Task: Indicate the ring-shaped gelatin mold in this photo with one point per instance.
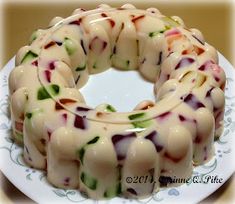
(96, 149)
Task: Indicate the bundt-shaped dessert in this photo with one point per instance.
(96, 149)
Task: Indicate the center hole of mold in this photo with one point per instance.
(121, 89)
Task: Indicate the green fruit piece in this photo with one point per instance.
(28, 57)
(19, 137)
(119, 188)
(136, 116)
(81, 154)
(170, 21)
(127, 63)
(28, 115)
(141, 124)
(159, 32)
(70, 46)
(110, 57)
(43, 94)
(94, 140)
(53, 89)
(110, 108)
(33, 37)
(94, 66)
(89, 181)
(81, 68)
(113, 191)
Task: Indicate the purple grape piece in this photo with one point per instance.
(51, 65)
(79, 122)
(118, 141)
(132, 191)
(65, 116)
(82, 109)
(35, 63)
(76, 81)
(198, 139)
(153, 137)
(43, 141)
(66, 181)
(159, 58)
(27, 150)
(164, 115)
(184, 62)
(182, 118)
(143, 61)
(208, 93)
(206, 153)
(202, 68)
(58, 43)
(193, 102)
(104, 45)
(114, 50)
(217, 79)
(83, 47)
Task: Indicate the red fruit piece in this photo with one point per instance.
(48, 75)
(19, 126)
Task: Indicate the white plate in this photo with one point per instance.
(33, 182)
